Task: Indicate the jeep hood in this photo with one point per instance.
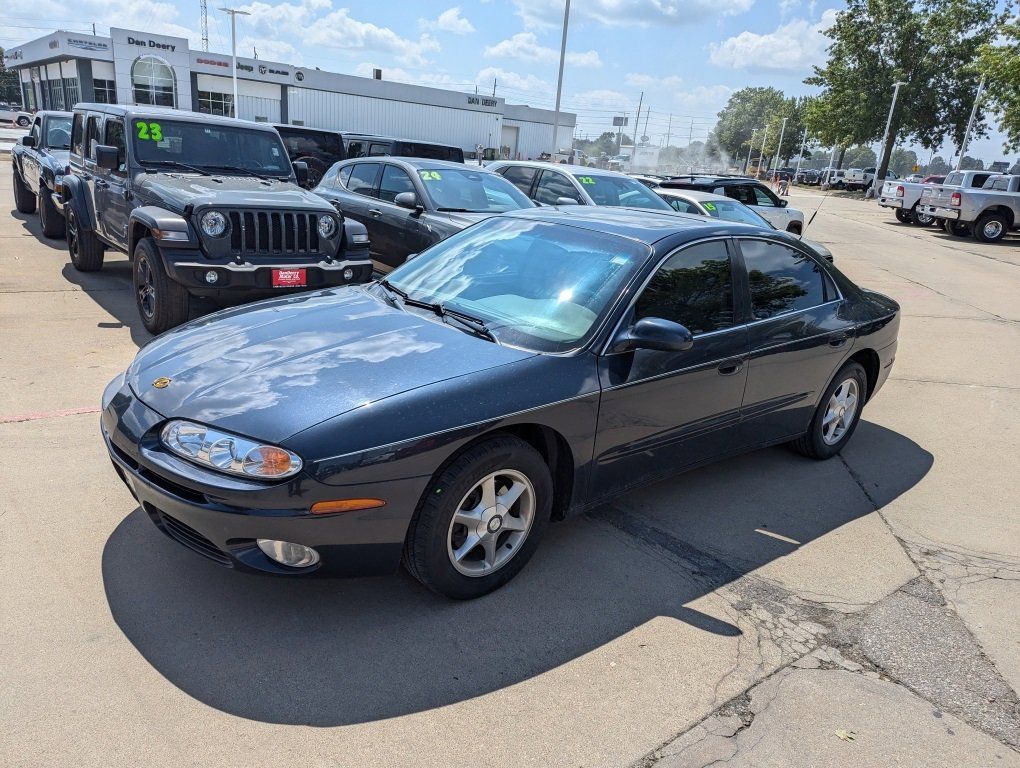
(274, 368)
(179, 190)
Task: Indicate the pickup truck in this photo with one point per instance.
(987, 213)
(863, 178)
(937, 197)
(904, 197)
(40, 161)
(13, 113)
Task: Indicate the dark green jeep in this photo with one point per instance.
(204, 206)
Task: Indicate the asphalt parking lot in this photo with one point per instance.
(766, 611)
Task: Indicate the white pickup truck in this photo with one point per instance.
(904, 198)
(987, 213)
(938, 197)
(863, 178)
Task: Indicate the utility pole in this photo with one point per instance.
(559, 79)
(761, 155)
(493, 87)
(779, 146)
(828, 170)
(638, 121)
(885, 136)
(750, 144)
(800, 157)
(234, 13)
(970, 122)
(669, 128)
(648, 113)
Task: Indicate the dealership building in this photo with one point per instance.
(132, 67)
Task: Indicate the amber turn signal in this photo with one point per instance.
(345, 505)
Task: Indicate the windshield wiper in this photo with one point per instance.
(239, 169)
(455, 210)
(174, 164)
(475, 324)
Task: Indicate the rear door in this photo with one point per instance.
(797, 339)
(521, 176)
(361, 204)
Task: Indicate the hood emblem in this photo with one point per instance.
(161, 383)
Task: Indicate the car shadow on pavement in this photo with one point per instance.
(327, 652)
(30, 223)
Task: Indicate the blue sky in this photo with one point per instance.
(686, 55)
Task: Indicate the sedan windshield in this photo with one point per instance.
(217, 147)
(453, 189)
(58, 133)
(537, 285)
(620, 190)
(734, 210)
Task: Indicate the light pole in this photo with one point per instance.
(800, 157)
(779, 146)
(234, 13)
(761, 155)
(885, 136)
(750, 142)
(559, 79)
(970, 122)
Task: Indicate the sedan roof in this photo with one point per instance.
(566, 168)
(418, 163)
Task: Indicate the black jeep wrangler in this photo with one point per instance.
(204, 206)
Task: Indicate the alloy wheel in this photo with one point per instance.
(992, 229)
(491, 523)
(146, 289)
(840, 412)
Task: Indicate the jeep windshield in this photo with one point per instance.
(217, 147)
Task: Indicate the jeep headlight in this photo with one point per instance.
(213, 223)
(228, 453)
(327, 226)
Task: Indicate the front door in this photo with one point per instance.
(663, 411)
(395, 233)
(111, 187)
(797, 339)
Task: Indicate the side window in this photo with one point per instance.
(980, 179)
(742, 192)
(763, 198)
(344, 176)
(77, 134)
(521, 177)
(553, 186)
(378, 150)
(781, 279)
(36, 132)
(362, 180)
(356, 149)
(694, 288)
(682, 206)
(115, 138)
(394, 181)
(91, 137)
(1001, 183)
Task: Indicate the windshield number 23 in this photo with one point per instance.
(149, 131)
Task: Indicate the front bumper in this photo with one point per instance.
(221, 517)
(189, 268)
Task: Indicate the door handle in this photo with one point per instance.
(838, 339)
(374, 212)
(730, 367)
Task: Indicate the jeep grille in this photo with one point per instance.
(273, 232)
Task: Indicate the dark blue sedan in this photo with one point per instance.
(525, 369)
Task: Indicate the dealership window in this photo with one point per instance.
(212, 103)
(28, 96)
(72, 90)
(105, 91)
(153, 82)
(55, 94)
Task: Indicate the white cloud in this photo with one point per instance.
(641, 13)
(702, 99)
(450, 21)
(525, 46)
(601, 98)
(651, 81)
(401, 75)
(792, 47)
(528, 84)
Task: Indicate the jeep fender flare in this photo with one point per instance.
(150, 217)
(78, 201)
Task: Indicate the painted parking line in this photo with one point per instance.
(46, 415)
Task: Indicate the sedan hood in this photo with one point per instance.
(465, 220)
(272, 369)
(181, 189)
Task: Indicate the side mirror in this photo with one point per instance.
(28, 141)
(566, 201)
(301, 172)
(654, 333)
(107, 157)
(783, 203)
(409, 200)
(410, 256)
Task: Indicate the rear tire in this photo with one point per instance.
(837, 415)
(24, 200)
(990, 228)
(957, 228)
(921, 219)
(464, 500)
(162, 303)
(50, 218)
(903, 217)
(87, 251)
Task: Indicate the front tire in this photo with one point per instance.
(49, 217)
(990, 228)
(957, 228)
(795, 228)
(24, 200)
(481, 519)
(162, 303)
(837, 415)
(87, 251)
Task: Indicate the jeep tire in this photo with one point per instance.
(86, 250)
(162, 303)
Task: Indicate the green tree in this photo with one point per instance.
(930, 45)
(747, 110)
(860, 157)
(1000, 65)
(938, 165)
(793, 109)
(902, 161)
(10, 86)
(969, 163)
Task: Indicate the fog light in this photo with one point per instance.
(211, 276)
(348, 273)
(288, 553)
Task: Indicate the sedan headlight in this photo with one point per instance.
(214, 223)
(327, 226)
(229, 453)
